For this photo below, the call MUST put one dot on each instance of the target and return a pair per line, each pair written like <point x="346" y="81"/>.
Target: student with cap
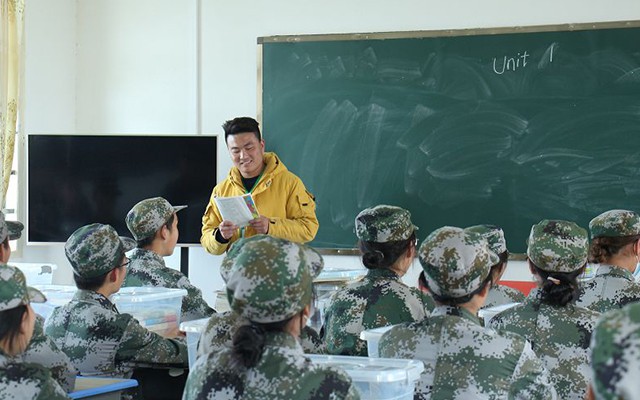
<point x="387" y="242"/>
<point x="615" y="245"/>
<point x="218" y="333"/>
<point x="18" y="379"/>
<point x="41" y="350"/>
<point x="558" y="330"/>
<point x="462" y="359"/>
<point x="271" y="281"/>
<point x="154" y="225"/>
<point x="499" y="294"/>
<point x="615" y="355"/>
<point x="99" y="340"/>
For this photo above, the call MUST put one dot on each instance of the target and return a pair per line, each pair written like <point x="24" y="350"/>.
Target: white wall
<point x="134" y="66"/>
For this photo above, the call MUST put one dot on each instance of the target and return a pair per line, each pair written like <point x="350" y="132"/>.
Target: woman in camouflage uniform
<point x="499" y="294"/>
<point x="270" y="283"/>
<point x="387" y="241"/>
<point x="20" y="380"/>
<point x="462" y="359"/>
<point x="615" y="245"/>
<point x="559" y="331"/>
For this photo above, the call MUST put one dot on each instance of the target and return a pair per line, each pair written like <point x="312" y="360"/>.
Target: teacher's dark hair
<point x="241" y="125"/>
<point x="383" y="255"/>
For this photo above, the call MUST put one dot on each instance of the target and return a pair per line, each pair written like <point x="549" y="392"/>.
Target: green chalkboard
<point x="506" y="126"/>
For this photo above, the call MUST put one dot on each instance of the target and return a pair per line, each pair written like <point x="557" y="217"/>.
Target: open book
<point x="237" y="209"/>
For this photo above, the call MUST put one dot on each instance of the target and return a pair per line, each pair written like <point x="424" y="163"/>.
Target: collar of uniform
<point x="89" y="296"/>
<point x="5" y="359"/>
<point x="272" y="162"/>
<point x="455" y="311"/>
<point x="281" y="339"/>
<point x="382" y="273"/>
<point x="147" y="255"/>
<point x="612" y="270"/>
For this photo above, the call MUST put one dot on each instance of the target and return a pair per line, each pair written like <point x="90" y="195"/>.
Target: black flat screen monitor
<point x="74" y="180"/>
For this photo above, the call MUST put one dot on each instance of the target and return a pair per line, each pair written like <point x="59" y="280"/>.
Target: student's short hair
<point x="241" y="125"/>
<point x="142" y="243"/>
<point x="96" y="282"/>
<point x="454" y="301"/>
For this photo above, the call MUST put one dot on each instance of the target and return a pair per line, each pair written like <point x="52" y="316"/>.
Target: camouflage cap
<point x="557" y="246"/>
<point x="95" y="249"/>
<point x="14" y="290"/>
<point x="148" y="215"/>
<point x="455" y="261"/>
<point x="615" y="354"/>
<point x="271" y="278"/>
<point x="382" y="223"/>
<point x="615" y="223"/>
<point x="12" y="229"/>
<point x="494" y="236"/>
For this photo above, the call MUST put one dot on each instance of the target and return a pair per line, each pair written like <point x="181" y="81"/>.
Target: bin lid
<point x="133" y="294"/>
<point x="491" y="311"/>
<point x="366" y="369"/>
<point x="194" y="326"/>
<point x="340" y="275"/>
<point x="374" y="333"/>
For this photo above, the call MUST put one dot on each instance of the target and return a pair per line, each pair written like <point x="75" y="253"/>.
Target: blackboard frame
<point x="261" y="41"/>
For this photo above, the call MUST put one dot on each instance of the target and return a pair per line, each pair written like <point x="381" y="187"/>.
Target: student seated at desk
<point x="19" y="380"/>
<point x="498" y="294"/>
<point x="387" y="241"/>
<point x="99" y="340"/>
<point x="615" y="245"/>
<point x="218" y="333"/>
<point x="154" y="225"/>
<point x="271" y="281"/>
<point x="462" y="359"/>
<point x="41" y="349"/>
<point x="559" y="331"/>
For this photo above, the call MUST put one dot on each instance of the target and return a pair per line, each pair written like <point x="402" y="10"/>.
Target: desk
<point x="100" y="388"/>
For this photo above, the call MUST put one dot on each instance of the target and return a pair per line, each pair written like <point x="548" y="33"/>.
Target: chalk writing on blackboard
<point x="521" y="60"/>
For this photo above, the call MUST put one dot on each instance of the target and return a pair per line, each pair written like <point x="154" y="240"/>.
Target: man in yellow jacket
<point x="287" y="209"/>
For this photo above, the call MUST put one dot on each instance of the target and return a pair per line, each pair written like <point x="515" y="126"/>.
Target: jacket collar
<point x="612" y="270"/>
<point x="147" y="255"/>
<point x="89" y="296"/>
<point x="455" y="311"/>
<point x="382" y="273"/>
<point x="6" y="360"/>
<point x="273" y="166"/>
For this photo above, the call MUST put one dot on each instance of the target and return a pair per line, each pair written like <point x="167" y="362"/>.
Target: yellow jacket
<point x="279" y="195"/>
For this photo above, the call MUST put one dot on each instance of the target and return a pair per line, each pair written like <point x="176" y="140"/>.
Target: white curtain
<point x="11" y="67"/>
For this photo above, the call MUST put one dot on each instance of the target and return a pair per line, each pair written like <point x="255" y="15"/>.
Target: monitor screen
<point x="74" y="180"/>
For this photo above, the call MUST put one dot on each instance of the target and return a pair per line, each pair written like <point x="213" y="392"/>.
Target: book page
<point x="238" y="209"/>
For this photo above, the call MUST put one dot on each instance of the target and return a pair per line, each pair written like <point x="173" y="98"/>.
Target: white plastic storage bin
<point x="377" y="378"/>
<point x="57" y="295"/>
<point x="486" y="314"/>
<point x="372" y="336"/>
<point x="37" y="273"/>
<point x="157" y="309"/>
<point x="193" y="329"/>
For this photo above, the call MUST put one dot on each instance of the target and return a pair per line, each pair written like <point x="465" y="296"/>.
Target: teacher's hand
<point x="227" y="229"/>
<point x="261" y="225"/>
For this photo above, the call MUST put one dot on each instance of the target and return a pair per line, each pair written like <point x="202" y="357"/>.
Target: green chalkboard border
<point x="568" y="27"/>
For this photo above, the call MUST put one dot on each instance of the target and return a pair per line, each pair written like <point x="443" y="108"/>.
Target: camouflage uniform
<point x="613" y="286"/>
<point x="498" y="294"/>
<point x="615" y="354"/>
<point x="218" y="334"/>
<point x="42" y="350"/>
<point x="90" y="330"/>
<point x="380" y="298"/>
<point x="20" y="380"/>
<point x="462" y="359"/>
<point x="270" y="281"/>
<point x="559" y="335"/>
<point x="149" y="269"/>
